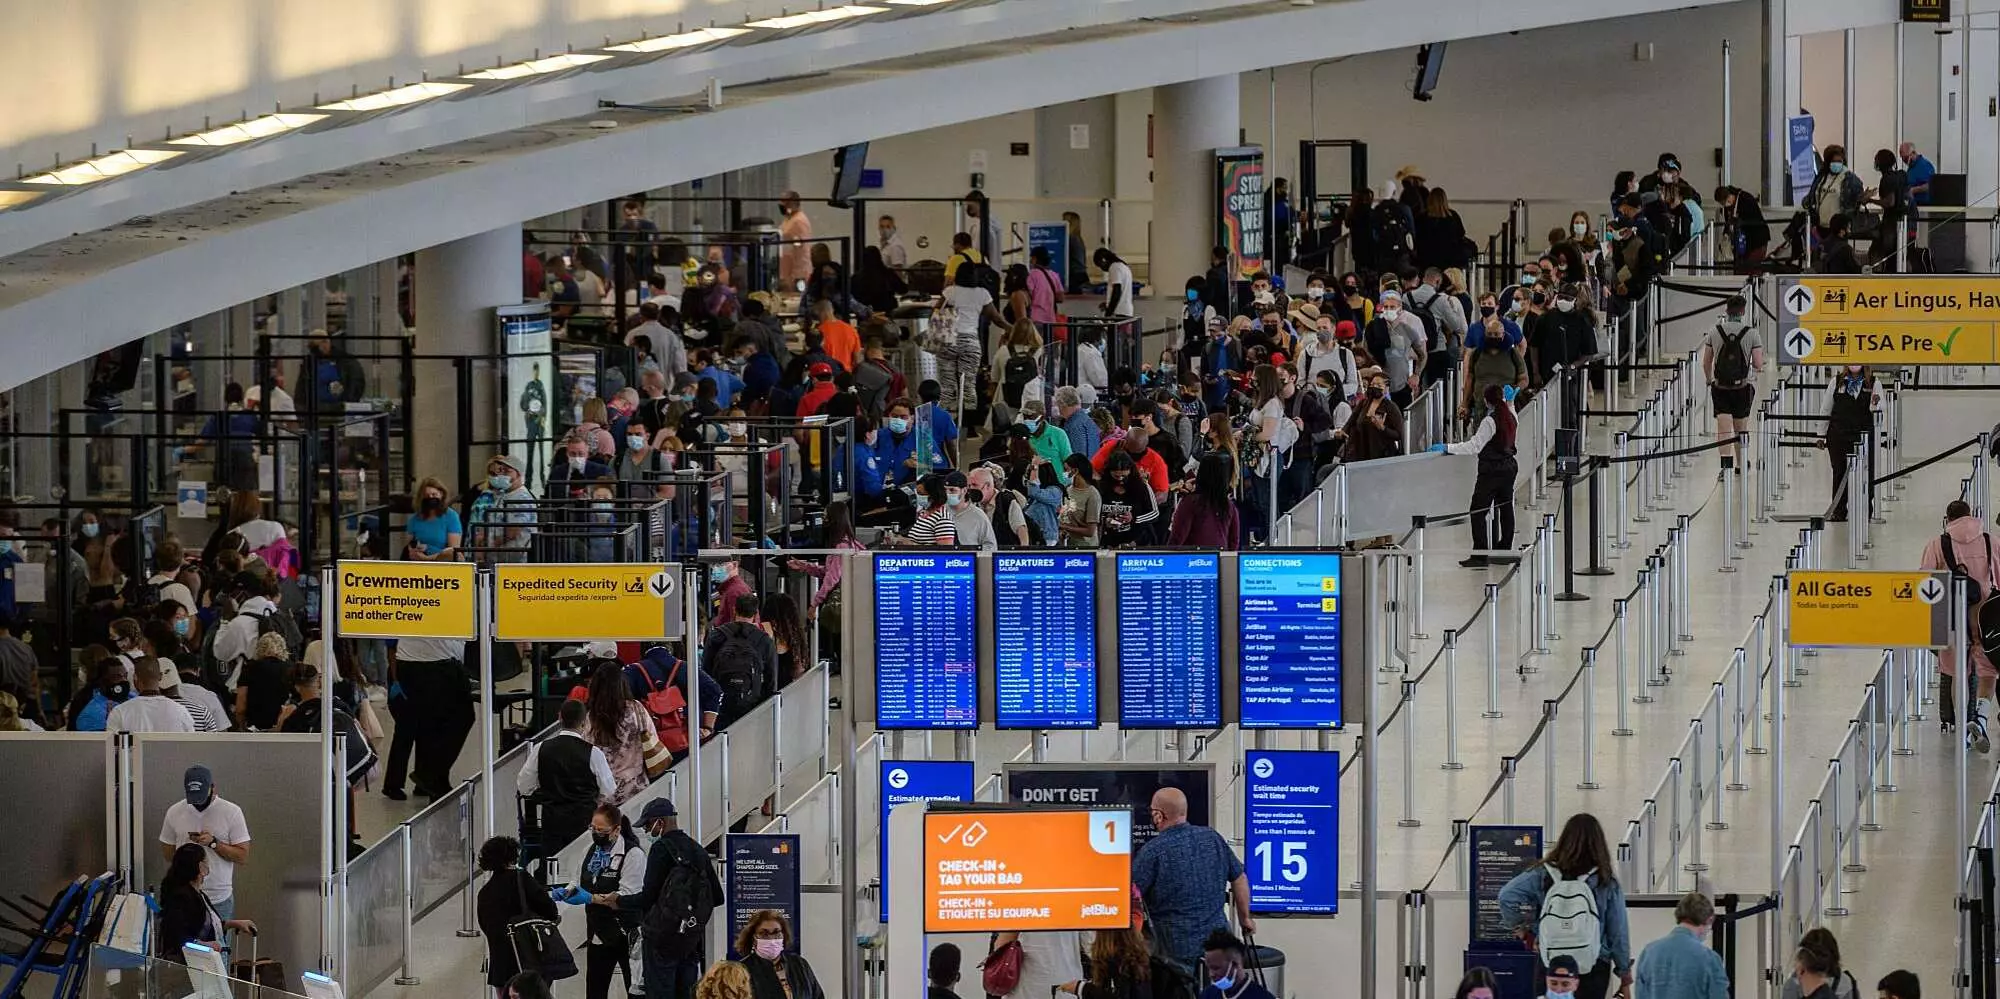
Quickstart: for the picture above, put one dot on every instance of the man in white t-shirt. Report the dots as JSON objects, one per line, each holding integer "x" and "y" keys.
{"x": 149, "y": 710}
{"x": 216, "y": 825}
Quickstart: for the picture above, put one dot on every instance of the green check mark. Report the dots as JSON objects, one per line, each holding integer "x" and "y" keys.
{"x": 1945, "y": 347}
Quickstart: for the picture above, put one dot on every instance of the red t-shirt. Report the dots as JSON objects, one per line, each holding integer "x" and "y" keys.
{"x": 816, "y": 397}
{"x": 1150, "y": 465}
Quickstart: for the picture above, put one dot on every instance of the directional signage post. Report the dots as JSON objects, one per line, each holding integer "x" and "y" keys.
{"x": 580, "y": 602}
{"x": 1868, "y": 610}
{"x": 1889, "y": 320}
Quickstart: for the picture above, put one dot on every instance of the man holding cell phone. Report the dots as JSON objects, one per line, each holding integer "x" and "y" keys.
{"x": 214, "y": 824}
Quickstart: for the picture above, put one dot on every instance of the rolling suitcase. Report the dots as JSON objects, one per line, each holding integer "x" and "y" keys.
{"x": 255, "y": 972}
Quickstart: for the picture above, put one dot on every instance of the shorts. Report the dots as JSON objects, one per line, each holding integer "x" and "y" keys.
{"x": 1733, "y": 402}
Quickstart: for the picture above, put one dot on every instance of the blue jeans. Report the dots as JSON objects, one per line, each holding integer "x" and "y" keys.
{"x": 668, "y": 978}
{"x": 225, "y": 910}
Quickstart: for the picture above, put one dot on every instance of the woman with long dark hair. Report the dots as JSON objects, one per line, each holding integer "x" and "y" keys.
{"x": 185, "y": 913}
{"x": 1478, "y": 983}
{"x": 1493, "y": 488}
{"x": 1440, "y": 233}
{"x": 1580, "y": 854}
{"x": 779, "y": 616}
{"x": 1206, "y": 516}
{"x": 1121, "y": 967}
{"x": 614, "y": 864}
{"x": 617, "y": 724}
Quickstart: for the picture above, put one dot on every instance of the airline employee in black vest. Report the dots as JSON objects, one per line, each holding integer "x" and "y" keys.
{"x": 1493, "y": 488}
{"x": 568, "y": 777}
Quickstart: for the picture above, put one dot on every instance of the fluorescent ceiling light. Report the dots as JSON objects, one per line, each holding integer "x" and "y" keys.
{"x": 686, "y": 39}
{"x": 245, "y": 131}
{"x": 104, "y": 167}
{"x": 810, "y": 17}
{"x": 537, "y": 67}
{"x": 396, "y": 98}
{"x": 15, "y": 199}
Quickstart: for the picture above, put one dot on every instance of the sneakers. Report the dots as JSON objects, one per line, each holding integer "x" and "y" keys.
{"x": 1975, "y": 736}
{"x": 1475, "y": 562}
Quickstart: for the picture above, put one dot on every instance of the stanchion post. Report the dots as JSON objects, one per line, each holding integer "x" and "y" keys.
{"x": 1409, "y": 819}
{"x": 1589, "y": 726}
{"x": 1419, "y": 531}
{"x": 1839, "y": 843}
{"x": 1618, "y": 611}
{"x": 1645, "y": 625}
{"x": 1451, "y": 701}
{"x": 1492, "y": 611}
{"x": 403, "y": 976}
{"x": 1683, "y": 605}
{"x": 1744, "y": 724}
{"x": 1550, "y": 748}
{"x": 1716, "y": 730}
{"x": 1507, "y": 789}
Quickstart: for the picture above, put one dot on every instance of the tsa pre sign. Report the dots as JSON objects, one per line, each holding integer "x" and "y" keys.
{"x": 1027, "y": 870}
{"x": 629, "y": 602}
{"x": 1889, "y": 320}
{"x": 405, "y": 599}
{"x": 1868, "y": 610}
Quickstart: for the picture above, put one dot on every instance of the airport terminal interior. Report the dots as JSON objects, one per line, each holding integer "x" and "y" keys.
{"x": 1132, "y": 499}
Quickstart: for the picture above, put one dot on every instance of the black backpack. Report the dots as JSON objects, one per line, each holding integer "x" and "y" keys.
{"x": 1392, "y": 232}
{"x": 674, "y": 926}
{"x": 278, "y": 622}
{"x": 1015, "y": 376}
{"x": 1982, "y": 616}
{"x": 1732, "y": 367}
{"x": 738, "y": 666}
{"x": 1003, "y": 536}
{"x": 1433, "y": 332}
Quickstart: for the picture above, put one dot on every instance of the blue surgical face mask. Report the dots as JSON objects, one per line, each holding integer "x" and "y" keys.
{"x": 90, "y": 529}
{"x": 898, "y": 425}
{"x": 718, "y": 573}
{"x": 1836, "y": 167}
{"x": 636, "y": 442}
{"x": 498, "y": 481}
{"x": 1032, "y": 425}
{"x": 922, "y": 502}
{"x": 1194, "y": 294}
{"x": 954, "y": 499}
{"x": 180, "y": 626}
{"x": 6, "y": 546}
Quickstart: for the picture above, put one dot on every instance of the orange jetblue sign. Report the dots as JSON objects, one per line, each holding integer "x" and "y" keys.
{"x": 1027, "y": 869}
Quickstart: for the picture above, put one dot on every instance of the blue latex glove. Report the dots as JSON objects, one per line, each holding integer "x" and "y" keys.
{"x": 395, "y": 691}
{"x": 575, "y": 897}
{"x": 1437, "y": 448}
{"x": 559, "y": 893}
{"x": 1507, "y": 393}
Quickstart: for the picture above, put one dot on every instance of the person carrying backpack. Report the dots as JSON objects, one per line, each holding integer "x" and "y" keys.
{"x": 1732, "y": 357}
{"x": 743, "y": 659}
{"x": 257, "y": 614}
{"x": 1570, "y": 904}
{"x": 1965, "y": 549}
{"x": 680, "y": 893}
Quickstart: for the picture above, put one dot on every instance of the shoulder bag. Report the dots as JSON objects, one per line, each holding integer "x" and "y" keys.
{"x": 538, "y": 943}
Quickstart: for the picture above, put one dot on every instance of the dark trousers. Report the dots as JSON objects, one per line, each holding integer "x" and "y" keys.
{"x": 1597, "y": 983}
{"x": 439, "y": 715}
{"x": 1837, "y": 450}
{"x": 1493, "y": 499}
{"x": 396, "y": 769}
{"x": 668, "y": 978}
{"x": 600, "y": 960}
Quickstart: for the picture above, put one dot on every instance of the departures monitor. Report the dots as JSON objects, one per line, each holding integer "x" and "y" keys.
{"x": 1045, "y": 640}
{"x": 1169, "y": 642}
{"x": 926, "y": 649}
{"x": 1288, "y": 640}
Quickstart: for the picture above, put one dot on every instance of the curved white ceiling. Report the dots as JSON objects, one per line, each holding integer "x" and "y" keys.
{"x": 448, "y": 169}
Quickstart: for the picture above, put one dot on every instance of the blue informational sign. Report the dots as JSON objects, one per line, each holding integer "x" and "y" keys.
{"x": 1495, "y": 854}
{"x": 1291, "y": 831}
{"x": 904, "y": 781}
{"x": 926, "y": 659}
{"x": 762, "y": 873}
{"x": 1804, "y": 166}
{"x": 1169, "y": 644}
{"x": 1288, "y": 640}
{"x": 1045, "y": 640}
{"x": 1053, "y": 237}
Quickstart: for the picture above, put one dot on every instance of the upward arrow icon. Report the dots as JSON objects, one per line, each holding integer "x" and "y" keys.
{"x": 1798, "y": 298}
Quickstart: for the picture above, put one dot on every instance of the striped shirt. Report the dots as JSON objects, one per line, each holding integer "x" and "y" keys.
{"x": 933, "y": 527}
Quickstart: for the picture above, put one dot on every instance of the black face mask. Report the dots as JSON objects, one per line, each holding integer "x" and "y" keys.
{"x": 1376, "y": 391}
{"x": 974, "y": 496}
{"x": 118, "y": 692}
{"x": 433, "y": 505}
{"x": 601, "y": 839}
{"x": 1487, "y": 311}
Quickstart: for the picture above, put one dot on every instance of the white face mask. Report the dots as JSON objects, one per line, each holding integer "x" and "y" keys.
{"x": 1391, "y": 313}
{"x": 576, "y": 464}
{"x": 738, "y": 429}
{"x": 1565, "y": 304}
{"x": 1580, "y": 228}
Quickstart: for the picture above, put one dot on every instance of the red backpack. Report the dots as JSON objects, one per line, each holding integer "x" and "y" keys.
{"x": 664, "y": 701}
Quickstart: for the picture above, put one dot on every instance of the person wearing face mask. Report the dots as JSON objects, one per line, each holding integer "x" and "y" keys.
{"x": 1348, "y": 303}
{"x": 970, "y": 522}
{"x": 600, "y": 541}
{"x": 571, "y": 476}
{"x": 1680, "y": 965}
{"x": 1750, "y": 234}
{"x": 728, "y": 584}
{"x": 435, "y": 530}
{"x": 501, "y": 516}
{"x": 1131, "y": 513}
{"x": 613, "y": 865}
{"x": 933, "y": 524}
{"x": 1446, "y": 326}
{"x": 181, "y": 681}
{"x": 1375, "y": 430}
{"x": 1836, "y": 191}
{"x": 1492, "y": 364}
{"x": 1852, "y": 400}
{"x": 1325, "y": 352}
{"x": 1493, "y": 487}
{"x": 1049, "y": 441}
{"x": 206, "y": 819}
{"x": 1396, "y": 340}
{"x": 777, "y": 971}
{"x": 112, "y": 687}
{"x": 1226, "y": 960}
{"x": 150, "y": 710}
{"x": 1560, "y": 337}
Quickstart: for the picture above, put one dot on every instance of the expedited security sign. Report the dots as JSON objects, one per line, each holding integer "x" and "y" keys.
{"x": 1869, "y": 610}
{"x": 405, "y": 600}
{"x": 1889, "y": 320}
{"x": 582, "y": 602}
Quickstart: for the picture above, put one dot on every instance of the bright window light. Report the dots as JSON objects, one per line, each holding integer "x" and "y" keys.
{"x": 396, "y": 98}
{"x": 810, "y": 17}
{"x": 686, "y": 39}
{"x": 15, "y": 199}
{"x": 537, "y": 67}
{"x": 245, "y": 131}
{"x": 104, "y": 167}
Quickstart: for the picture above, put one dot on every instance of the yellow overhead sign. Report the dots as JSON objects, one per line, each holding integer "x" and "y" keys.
{"x": 1889, "y": 320}
{"x": 405, "y": 599}
{"x": 1870, "y": 610}
{"x": 633, "y": 602}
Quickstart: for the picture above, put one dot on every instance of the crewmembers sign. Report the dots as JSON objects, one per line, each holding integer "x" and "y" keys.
{"x": 1027, "y": 870}
{"x": 628, "y": 602}
{"x": 1889, "y": 320}
{"x": 1869, "y": 610}
{"x": 405, "y": 599}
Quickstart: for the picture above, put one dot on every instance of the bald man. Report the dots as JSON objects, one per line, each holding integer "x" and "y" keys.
{"x": 1182, "y": 874}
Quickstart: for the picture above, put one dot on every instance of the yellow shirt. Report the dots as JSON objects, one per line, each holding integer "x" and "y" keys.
{"x": 959, "y": 257}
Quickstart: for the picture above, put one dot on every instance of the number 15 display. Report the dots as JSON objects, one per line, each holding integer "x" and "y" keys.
{"x": 1291, "y": 829}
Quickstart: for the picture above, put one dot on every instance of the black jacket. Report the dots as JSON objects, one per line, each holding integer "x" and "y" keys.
{"x": 1559, "y": 337}
{"x": 1440, "y": 241}
{"x": 764, "y": 979}
{"x": 666, "y": 853}
{"x": 499, "y": 906}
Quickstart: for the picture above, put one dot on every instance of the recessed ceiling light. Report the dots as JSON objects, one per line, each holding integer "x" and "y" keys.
{"x": 396, "y": 98}
{"x": 104, "y": 167}
{"x": 245, "y": 131}
{"x": 537, "y": 67}
{"x": 812, "y": 17}
{"x": 686, "y": 39}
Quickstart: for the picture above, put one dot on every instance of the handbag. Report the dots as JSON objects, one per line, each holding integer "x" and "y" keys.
{"x": 658, "y": 759}
{"x": 1000, "y": 973}
{"x": 538, "y": 943}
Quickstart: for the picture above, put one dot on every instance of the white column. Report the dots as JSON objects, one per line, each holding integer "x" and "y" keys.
{"x": 1190, "y": 121}
{"x": 1775, "y": 166}
{"x": 458, "y": 285}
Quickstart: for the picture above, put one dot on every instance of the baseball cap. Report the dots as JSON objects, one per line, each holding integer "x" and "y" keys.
{"x": 1565, "y": 964}
{"x": 820, "y": 369}
{"x": 1344, "y": 330}
{"x": 954, "y": 480}
{"x": 657, "y": 809}
{"x": 198, "y": 783}
{"x": 1669, "y": 161}
{"x": 600, "y": 650}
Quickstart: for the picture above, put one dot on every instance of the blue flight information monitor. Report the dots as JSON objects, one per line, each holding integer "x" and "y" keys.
{"x": 926, "y": 627}
{"x": 904, "y": 781}
{"x": 1169, "y": 645}
{"x": 1045, "y": 640}
{"x": 1288, "y": 641}
{"x": 1291, "y": 831}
